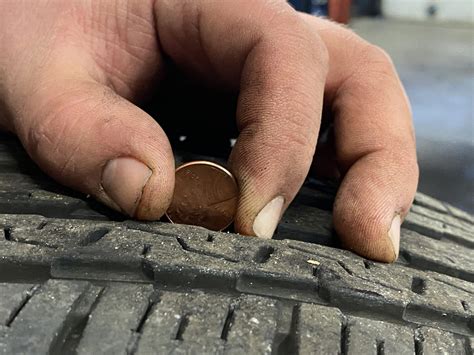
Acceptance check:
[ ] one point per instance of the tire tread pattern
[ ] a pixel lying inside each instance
(76, 277)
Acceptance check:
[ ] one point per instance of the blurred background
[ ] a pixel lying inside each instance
(431, 43)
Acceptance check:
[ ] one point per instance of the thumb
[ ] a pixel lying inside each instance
(89, 138)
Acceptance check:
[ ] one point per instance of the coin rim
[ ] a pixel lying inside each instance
(214, 165)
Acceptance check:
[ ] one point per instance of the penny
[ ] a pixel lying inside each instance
(205, 194)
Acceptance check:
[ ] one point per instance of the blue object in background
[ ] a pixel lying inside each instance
(315, 7)
(300, 5)
(319, 7)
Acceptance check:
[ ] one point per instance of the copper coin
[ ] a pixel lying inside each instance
(205, 194)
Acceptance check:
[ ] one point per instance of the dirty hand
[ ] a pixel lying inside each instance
(70, 72)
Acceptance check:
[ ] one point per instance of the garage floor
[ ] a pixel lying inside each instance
(436, 63)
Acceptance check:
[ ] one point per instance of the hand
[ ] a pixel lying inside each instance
(71, 71)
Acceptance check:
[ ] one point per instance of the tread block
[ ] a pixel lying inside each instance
(254, 326)
(38, 326)
(35, 193)
(117, 255)
(443, 305)
(352, 283)
(37, 230)
(366, 336)
(210, 323)
(183, 322)
(292, 270)
(429, 202)
(319, 329)
(435, 341)
(444, 218)
(456, 212)
(111, 325)
(438, 230)
(357, 287)
(437, 255)
(24, 262)
(238, 260)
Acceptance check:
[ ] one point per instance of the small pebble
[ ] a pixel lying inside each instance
(254, 320)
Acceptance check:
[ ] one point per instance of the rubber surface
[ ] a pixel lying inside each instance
(76, 278)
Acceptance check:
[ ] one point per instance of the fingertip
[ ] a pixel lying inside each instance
(124, 180)
(140, 190)
(267, 219)
(157, 193)
(394, 235)
(377, 246)
(368, 226)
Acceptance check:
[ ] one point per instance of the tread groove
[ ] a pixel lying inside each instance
(451, 285)
(419, 340)
(187, 248)
(7, 233)
(132, 347)
(380, 347)
(29, 294)
(94, 237)
(229, 319)
(431, 233)
(429, 265)
(71, 342)
(264, 253)
(344, 336)
(456, 215)
(183, 244)
(343, 265)
(35, 243)
(290, 344)
(466, 306)
(145, 316)
(467, 346)
(146, 250)
(418, 285)
(74, 318)
(41, 225)
(368, 264)
(183, 324)
(444, 223)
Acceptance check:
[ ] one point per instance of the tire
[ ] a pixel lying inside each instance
(76, 278)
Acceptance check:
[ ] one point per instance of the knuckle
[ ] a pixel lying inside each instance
(43, 133)
(372, 70)
(290, 141)
(379, 58)
(52, 138)
(291, 31)
(299, 145)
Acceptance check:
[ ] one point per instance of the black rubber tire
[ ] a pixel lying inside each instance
(75, 278)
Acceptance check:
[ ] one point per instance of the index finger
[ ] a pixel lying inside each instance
(279, 65)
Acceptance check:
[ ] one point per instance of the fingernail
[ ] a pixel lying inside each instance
(394, 234)
(267, 219)
(123, 180)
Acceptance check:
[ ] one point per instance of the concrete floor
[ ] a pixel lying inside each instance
(436, 64)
